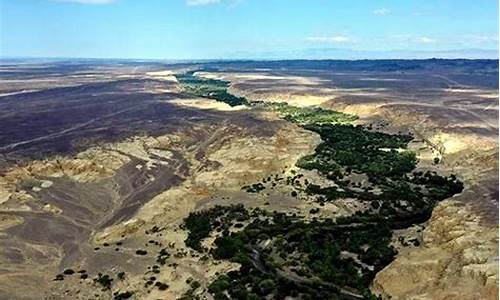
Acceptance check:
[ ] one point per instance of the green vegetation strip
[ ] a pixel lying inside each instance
(310, 115)
(300, 259)
(286, 256)
(208, 88)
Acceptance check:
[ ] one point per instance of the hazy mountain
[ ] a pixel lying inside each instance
(337, 53)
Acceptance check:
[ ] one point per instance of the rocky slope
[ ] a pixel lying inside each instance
(458, 256)
(105, 193)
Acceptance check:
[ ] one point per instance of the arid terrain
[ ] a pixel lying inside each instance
(102, 163)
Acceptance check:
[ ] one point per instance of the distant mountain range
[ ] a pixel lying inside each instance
(337, 53)
(311, 54)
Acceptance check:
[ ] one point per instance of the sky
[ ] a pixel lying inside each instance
(215, 29)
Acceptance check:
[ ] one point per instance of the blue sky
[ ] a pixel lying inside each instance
(187, 29)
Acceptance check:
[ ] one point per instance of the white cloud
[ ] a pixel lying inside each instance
(201, 2)
(87, 1)
(381, 11)
(483, 38)
(329, 39)
(426, 40)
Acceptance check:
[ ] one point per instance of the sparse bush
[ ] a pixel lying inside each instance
(104, 280)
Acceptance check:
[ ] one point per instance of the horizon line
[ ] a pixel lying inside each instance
(405, 54)
(2, 58)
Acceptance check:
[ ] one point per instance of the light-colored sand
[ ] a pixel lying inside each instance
(166, 75)
(204, 103)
